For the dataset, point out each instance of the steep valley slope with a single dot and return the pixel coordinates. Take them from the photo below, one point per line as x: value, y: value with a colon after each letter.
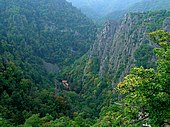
x: 118, y: 47
x: 37, y: 39
x: 54, y: 31
x: 55, y: 71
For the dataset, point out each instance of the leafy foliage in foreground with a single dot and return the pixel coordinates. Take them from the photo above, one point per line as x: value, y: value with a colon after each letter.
x: 145, y: 92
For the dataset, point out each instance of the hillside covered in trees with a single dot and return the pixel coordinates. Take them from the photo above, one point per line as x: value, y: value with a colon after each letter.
x: 37, y: 39
x: 59, y: 69
x: 96, y: 9
x: 55, y: 31
x: 141, y: 6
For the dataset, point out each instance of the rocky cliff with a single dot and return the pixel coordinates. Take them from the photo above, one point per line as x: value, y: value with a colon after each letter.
x: 117, y: 48
x: 117, y: 45
x: 102, y: 46
x: 166, y: 24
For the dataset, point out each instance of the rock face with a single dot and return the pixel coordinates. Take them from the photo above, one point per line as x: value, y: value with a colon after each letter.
x: 166, y: 24
x: 125, y: 43
x: 102, y: 46
x: 117, y: 43
x: 115, y: 46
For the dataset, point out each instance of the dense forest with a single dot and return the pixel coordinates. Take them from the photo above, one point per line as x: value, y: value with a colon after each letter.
x: 55, y: 31
x: 59, y: 69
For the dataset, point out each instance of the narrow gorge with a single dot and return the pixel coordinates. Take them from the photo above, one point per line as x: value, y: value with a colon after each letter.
x: 91, y: 63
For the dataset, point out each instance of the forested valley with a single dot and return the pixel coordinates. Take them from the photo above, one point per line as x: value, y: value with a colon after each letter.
x: 59, y: 68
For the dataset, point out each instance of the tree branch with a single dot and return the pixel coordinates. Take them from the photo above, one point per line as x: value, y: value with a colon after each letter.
x: 137, y: 121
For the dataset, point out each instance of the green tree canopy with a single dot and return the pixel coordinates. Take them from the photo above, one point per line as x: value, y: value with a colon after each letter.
x: 146, y: 91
